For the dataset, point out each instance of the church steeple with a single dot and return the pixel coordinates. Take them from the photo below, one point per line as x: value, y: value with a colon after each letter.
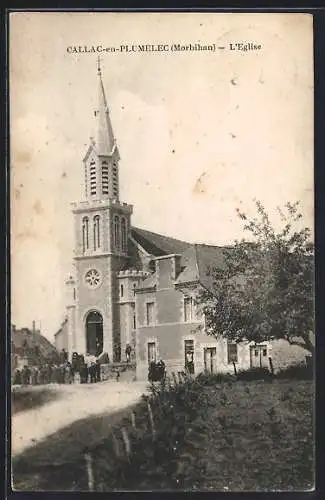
x: 102, y: 158
x: 105, y: 137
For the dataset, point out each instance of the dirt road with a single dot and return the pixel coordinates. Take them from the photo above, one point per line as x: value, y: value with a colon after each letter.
x: 77, y: 402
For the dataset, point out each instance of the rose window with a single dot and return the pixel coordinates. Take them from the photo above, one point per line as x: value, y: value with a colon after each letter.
x: 92, y: 278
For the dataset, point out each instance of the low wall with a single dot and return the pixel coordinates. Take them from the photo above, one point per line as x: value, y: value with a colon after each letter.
x: 283, y: 354
x: 110, y: 370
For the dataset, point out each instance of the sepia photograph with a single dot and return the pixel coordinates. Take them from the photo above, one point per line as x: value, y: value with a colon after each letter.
x: 162, y: 251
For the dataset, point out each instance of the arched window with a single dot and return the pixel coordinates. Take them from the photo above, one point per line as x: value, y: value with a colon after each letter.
x: 96, y: 232
x: 85, y: 234
x: 116, y: 231
x: 123, y: 234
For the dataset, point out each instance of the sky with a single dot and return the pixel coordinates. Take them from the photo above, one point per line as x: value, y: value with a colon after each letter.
x: 199, y: 133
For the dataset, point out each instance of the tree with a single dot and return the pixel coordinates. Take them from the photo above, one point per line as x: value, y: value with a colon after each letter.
x: 265, y: 290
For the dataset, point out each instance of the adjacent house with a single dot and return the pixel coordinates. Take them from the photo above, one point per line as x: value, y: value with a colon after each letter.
x: 170, y: 326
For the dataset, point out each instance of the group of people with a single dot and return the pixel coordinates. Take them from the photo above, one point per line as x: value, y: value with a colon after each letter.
x: 78, y: 370
x: 82, y: 369
x: 44, y: 374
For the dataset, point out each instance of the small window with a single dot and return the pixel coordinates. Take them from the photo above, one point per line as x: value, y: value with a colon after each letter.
x: 256, y: 352
x: 152, y: 355
x: 123, y: 234
x: 150, y: 313
x: 189, y: 355
x: 232, y: 352
x: 116, y: 231
x: 188, y: 309
x: 96, y: 232
x: 122, y: 290
x: 264, y: 351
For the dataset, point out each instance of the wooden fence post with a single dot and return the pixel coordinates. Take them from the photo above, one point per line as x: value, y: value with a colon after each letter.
x: 127, y: 442
x: 133, y: 420
x: 235, y: 369
x: 89, y: 468
x: 152, y: 424
x: 116, y: 444
x: 174, y: 378
x: 271, y: 365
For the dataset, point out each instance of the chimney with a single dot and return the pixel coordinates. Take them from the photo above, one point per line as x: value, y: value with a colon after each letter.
x: 33, y: 328
x: 176, y: 265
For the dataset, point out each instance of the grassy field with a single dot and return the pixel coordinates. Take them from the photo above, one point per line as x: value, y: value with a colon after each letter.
x: 231, y: 436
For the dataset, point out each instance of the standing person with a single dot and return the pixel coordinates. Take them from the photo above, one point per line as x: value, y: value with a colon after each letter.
x: 98, y: 348
x: 63, y: 356
x: 67, y: 374
x: 161, y: 369
x: 39, y: 375
x: 152, y: 371
x: 97, y: 370
x: 128, y: 350
x: 33, y: 375
x: 28, y: 375
x: 62, y: 373
x: 92, y: 372
x: 17, y: 377
x: 83, y: 373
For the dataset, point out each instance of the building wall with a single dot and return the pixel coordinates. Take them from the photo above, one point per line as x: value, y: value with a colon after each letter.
x: 128, y: 282
x: 169, y: 330
x: 61, y: 338
x: 170, y: 339
x: 93, y: 299
x: 283, y: 354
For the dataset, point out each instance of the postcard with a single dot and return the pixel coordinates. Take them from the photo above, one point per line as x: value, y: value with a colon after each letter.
x: 162, y: 327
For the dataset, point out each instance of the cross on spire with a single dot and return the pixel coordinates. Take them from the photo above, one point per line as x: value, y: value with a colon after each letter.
x: 99, y: 71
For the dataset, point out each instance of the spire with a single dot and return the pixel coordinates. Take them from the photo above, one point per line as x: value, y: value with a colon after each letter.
x: 105, y: 137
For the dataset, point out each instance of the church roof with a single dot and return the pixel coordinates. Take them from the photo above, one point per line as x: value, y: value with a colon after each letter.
x: 157, y: 244
x: 196, y: 259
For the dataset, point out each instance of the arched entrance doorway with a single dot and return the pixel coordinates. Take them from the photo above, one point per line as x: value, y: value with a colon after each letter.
x: 94, y: 333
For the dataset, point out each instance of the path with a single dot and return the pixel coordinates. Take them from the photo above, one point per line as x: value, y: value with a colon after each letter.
x: 79, y: 401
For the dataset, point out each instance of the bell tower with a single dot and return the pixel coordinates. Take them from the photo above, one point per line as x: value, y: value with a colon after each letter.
x: 102, y: 224
x: 101, y: 162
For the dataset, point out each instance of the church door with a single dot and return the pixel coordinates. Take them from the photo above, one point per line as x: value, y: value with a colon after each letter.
x: 94, y: 333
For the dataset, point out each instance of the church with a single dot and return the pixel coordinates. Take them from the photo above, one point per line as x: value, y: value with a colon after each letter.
x: 135, y: 287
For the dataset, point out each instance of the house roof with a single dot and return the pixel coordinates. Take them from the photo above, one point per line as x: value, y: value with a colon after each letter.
x: 24, y: 335
x: 64, y: 322
x: 196, y: 259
